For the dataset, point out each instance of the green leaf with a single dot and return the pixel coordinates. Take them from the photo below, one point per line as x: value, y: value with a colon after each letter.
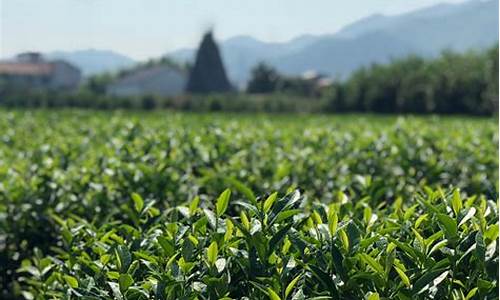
x: 67, y: 236
x: 367, y: 215
x: 240, y: 187
x: 270, y: 201
x: 124, y: 258
x: 244, y: 220
x: 456, y: 201
x: 194, y: 205
x: 188, y: 249
x: 276, y: 239
x: 223, y: 202
x: 492, y: 232
x: 484, y: 285
x: 344, y: 239
x: 419, y: 238
x: 167, y: 245
x: 286, y: 214
x: 338, y: 260
x: 415, y: 254
x: 71, y: 281
x: 410, y: 212
x: 373, y: 296
x: 449, y: 225
x: 289, y: 202
x: 471, y: 293
x: 333, y: 220
x: 403, y: 276
x: 480, y: 247
x: 470, y: 213
x: 212, y: 253
x: 272, y: 294
x: 354, y: 234
x: 125, y: 281
x: 438, y: 246
x: 316, y: 218
x: 420, y: 220
x: 372, y: 263
x: 291, y: 285
x: 422, y: 283
x: 229, y: 230
x: 325, y: 279
x: 212, y: 219
x: 113, y: 275
x: 116, y: 290
x: 142, y: 255
x: 138, y: 202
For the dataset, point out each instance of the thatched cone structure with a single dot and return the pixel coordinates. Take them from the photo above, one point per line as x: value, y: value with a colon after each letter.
x: 208, y: 74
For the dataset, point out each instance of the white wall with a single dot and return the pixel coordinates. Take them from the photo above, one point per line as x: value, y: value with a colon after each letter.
x: 65, y: 76
x: 158, y: 80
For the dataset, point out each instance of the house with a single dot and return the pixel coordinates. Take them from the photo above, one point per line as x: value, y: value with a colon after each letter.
x: 31, y: 70
x: 319, y: 80
x: 159, y: 80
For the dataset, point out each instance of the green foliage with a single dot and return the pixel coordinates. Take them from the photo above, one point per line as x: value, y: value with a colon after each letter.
x: 264, y: 80
x: 179, y: 206
x: 450, y: 84
x: 98, y: 84
x: 295, y: 258
x: 222, y: 202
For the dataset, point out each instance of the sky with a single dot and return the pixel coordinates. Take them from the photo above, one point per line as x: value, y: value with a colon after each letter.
x: 144, y: 29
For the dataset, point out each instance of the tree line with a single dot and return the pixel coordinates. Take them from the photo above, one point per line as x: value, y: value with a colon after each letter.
x: 453, y: 83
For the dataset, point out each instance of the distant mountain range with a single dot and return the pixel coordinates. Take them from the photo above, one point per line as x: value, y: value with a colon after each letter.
x: 375, y: 39
x: 94, y: 61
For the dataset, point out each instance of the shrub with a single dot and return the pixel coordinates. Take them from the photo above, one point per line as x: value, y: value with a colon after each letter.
x: 80, y: 168
x: 437, y: 245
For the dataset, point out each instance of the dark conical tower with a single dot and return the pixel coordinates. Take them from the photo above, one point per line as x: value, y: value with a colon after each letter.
x: 208, y: 74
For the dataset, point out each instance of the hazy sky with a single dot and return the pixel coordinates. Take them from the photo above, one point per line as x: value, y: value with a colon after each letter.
x: 149, y: 28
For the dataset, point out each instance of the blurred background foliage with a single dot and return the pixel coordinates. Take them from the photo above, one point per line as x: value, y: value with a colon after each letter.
x: 452, y: 83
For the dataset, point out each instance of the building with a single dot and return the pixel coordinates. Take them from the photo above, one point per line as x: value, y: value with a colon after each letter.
x: 159, y: 80
x: 318, y: 80
x: 31, y: 70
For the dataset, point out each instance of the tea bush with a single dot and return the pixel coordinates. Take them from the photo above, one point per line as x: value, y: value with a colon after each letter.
x: 437, y: 245
x: 66, y: 180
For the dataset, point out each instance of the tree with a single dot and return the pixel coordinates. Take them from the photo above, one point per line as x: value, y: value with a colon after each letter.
x: 264, y: 79
x: 98, y: 84
x: 208, y: 74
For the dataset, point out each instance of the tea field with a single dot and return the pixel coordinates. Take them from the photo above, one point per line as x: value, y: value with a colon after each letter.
x: 163, y: 205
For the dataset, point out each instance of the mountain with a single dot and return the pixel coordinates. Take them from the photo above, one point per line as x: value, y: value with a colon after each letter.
x: 94, y: 61
x: 374, y: 39
x: 337, y: 56
x: 472, y: 24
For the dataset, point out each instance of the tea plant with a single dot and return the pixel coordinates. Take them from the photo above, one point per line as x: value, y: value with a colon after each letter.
x: 437, y: 245
x: 66, y: 180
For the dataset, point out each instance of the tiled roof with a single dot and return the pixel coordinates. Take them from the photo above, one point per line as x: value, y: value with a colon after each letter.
x: 34, y: 69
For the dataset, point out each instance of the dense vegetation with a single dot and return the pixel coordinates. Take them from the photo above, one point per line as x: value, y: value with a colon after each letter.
x: 134, y: 206
x: 450, y: 84
x: 453, y: 83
